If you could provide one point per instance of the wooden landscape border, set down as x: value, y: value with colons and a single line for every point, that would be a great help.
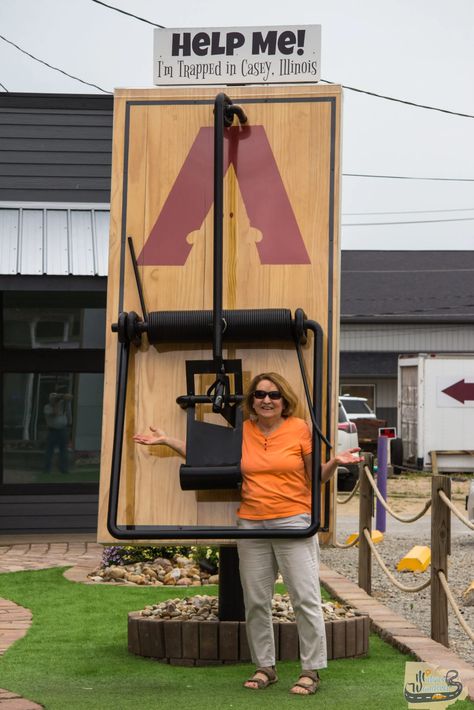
x: 201, y: 643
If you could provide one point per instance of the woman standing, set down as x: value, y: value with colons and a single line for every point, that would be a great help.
x: 276, y: 474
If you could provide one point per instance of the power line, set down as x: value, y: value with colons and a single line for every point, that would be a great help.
x: 326, y: 81
x: 417, y: 221
x: 50, y: 66
x: 4, y: 87
x: 130, y: 14
x: 454, y: 209
x: 407, y: 177
x: 402, y: 101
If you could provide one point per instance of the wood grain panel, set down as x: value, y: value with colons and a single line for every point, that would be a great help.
x: 302, y: 126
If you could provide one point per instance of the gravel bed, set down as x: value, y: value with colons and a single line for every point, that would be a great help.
x: 415, y: 606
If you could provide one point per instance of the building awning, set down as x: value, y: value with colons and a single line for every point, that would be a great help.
x: 54, y: 239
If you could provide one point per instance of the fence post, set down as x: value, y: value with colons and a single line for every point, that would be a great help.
x: 440, y: 549
x: 366, y: 500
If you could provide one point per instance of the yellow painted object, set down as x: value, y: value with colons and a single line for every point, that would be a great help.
x: 417, y: 559
x: 376, y: 536
x: 468, y: 595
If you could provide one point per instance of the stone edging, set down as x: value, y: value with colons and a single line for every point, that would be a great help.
x: 396, y: 630
x: 202, y: 643
x: 15, y: 621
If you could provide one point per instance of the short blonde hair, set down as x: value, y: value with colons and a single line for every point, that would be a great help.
x: 290, y: 400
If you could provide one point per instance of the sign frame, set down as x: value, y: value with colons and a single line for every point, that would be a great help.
x: 237, y: 55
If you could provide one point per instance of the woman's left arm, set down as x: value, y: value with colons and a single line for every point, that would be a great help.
x: 329, y: 468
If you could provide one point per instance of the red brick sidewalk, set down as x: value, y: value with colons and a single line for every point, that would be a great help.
x: 15, y: 620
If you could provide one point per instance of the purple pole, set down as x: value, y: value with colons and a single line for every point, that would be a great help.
x: 382, y: 466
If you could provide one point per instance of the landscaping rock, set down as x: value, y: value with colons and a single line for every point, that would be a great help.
x: 206, y: 608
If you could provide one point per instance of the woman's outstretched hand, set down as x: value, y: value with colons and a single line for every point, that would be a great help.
x: 158, y: 436
x: 345, y: 458
x: 349, y: 456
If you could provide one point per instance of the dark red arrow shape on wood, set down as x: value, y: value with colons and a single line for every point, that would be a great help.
x: 461, y: 391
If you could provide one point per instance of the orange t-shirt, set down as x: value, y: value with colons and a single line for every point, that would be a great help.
x: 274, y: 483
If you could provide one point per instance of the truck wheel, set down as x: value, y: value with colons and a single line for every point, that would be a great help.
x: 347, y: 477
x: 396, y: 454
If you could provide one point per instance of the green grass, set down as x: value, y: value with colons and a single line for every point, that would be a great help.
x: 75, y: 656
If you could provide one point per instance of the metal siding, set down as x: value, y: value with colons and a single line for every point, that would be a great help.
x: 50, y: 153
x: 385, y: 393
x: 31, y: 242
x: 37, y: 239
x: 9, y: 231
x: 81, y: 245
x: 56, y: 240
x: 101, y: 233
x: 383, y: 337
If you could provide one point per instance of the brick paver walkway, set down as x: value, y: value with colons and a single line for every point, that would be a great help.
x: 15, y: 620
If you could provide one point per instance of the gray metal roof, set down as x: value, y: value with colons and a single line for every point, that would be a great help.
x: 54, y: 239
x: 407, y: 286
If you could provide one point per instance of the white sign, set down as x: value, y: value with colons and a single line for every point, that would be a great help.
x: 237, y: 55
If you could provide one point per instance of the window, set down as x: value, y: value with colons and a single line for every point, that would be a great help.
x: 51, y: 427
x: 53, y: 320
x: 51, y: 380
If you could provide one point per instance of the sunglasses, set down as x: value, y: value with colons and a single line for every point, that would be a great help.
x: 261, y: 394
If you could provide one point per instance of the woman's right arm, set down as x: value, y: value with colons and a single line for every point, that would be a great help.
x: 158, y: 437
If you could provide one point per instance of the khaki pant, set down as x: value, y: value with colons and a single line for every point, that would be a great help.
x: 298, y: 561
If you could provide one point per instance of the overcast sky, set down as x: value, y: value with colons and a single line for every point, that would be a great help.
x: 417, y: 50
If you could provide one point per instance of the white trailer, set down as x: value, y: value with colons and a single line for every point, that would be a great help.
x: 436, y: 410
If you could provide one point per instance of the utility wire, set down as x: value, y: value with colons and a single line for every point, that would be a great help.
x: 41, y: 61
x: 417, y: 221
x: 4, y: 87
x: 407, y: 177
x: 454, y: 209
x: 402, y: 101
x: 130, y: 14
x: 326, y: 81
x: 71, y: 76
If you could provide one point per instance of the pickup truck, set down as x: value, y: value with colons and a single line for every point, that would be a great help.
x: 358, y: 411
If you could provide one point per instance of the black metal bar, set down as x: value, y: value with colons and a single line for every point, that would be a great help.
x: 192, y: 532
x: 315, y: 409
x: 121, y: 396
x: 231, y: 596
x: 186, y: 400
x: 317, y: 397
x: 219, y: 104
x: 137, y: 278
x: 189, y: 532
x: 311, y: 408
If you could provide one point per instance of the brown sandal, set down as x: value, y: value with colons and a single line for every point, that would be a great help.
x: 262, y: 683
x: 310, y: 688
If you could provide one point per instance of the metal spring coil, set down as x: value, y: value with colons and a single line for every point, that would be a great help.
x: 267, y: 324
